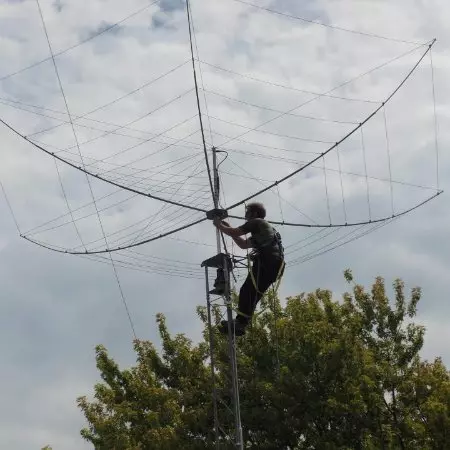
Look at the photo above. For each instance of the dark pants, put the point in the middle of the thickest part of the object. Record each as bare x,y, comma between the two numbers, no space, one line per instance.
265,272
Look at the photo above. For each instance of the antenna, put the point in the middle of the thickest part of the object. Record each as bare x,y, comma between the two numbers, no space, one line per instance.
132,181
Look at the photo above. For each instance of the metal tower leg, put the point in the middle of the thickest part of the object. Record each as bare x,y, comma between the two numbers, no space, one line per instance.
222,261
212,360
234,373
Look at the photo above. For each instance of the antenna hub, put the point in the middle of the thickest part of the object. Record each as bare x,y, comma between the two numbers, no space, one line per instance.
217,213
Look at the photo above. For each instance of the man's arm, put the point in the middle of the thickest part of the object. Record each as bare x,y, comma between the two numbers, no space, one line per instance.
234,233
228,230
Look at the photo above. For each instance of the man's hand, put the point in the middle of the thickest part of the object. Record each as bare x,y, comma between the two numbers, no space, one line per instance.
220,223
234,233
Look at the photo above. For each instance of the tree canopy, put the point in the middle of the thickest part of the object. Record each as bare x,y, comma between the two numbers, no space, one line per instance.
315,373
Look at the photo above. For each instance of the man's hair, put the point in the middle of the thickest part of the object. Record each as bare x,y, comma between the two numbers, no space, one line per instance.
258,209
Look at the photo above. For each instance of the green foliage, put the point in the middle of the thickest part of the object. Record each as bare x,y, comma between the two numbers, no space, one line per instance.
316,373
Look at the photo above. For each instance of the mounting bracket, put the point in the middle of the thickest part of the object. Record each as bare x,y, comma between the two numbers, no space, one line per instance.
217,213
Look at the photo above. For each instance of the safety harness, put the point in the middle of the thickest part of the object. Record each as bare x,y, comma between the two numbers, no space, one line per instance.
256,253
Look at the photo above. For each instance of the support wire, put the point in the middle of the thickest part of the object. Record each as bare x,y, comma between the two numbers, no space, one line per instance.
350,133
116,275
188,11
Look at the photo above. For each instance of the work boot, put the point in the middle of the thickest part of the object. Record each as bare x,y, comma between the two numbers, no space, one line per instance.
219,283
236,326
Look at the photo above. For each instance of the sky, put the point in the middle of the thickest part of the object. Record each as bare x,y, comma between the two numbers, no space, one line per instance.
275,90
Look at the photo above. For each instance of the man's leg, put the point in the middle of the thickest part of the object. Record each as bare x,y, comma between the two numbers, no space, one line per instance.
264,274
249,296
268,272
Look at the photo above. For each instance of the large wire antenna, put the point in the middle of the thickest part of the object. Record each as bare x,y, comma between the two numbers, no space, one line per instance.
247,198
189,196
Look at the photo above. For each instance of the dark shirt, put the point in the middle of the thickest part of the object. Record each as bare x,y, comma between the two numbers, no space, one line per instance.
264,238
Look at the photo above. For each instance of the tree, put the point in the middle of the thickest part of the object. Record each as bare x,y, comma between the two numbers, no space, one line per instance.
316,373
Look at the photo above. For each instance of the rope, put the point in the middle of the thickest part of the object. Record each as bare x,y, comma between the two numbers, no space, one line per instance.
350,133
388,146
92,36
363,147
335,27
116,275
87,172
275,287
436,139
110,250
188,11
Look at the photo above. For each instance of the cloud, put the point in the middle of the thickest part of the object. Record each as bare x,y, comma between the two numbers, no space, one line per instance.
112,29
167,8
58,5
55,308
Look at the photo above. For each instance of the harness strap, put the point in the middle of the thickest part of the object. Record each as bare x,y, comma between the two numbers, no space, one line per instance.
277,283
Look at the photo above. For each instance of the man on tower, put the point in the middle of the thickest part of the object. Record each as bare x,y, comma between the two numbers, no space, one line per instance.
267,256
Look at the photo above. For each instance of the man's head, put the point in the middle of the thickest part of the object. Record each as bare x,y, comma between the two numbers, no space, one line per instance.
255,211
